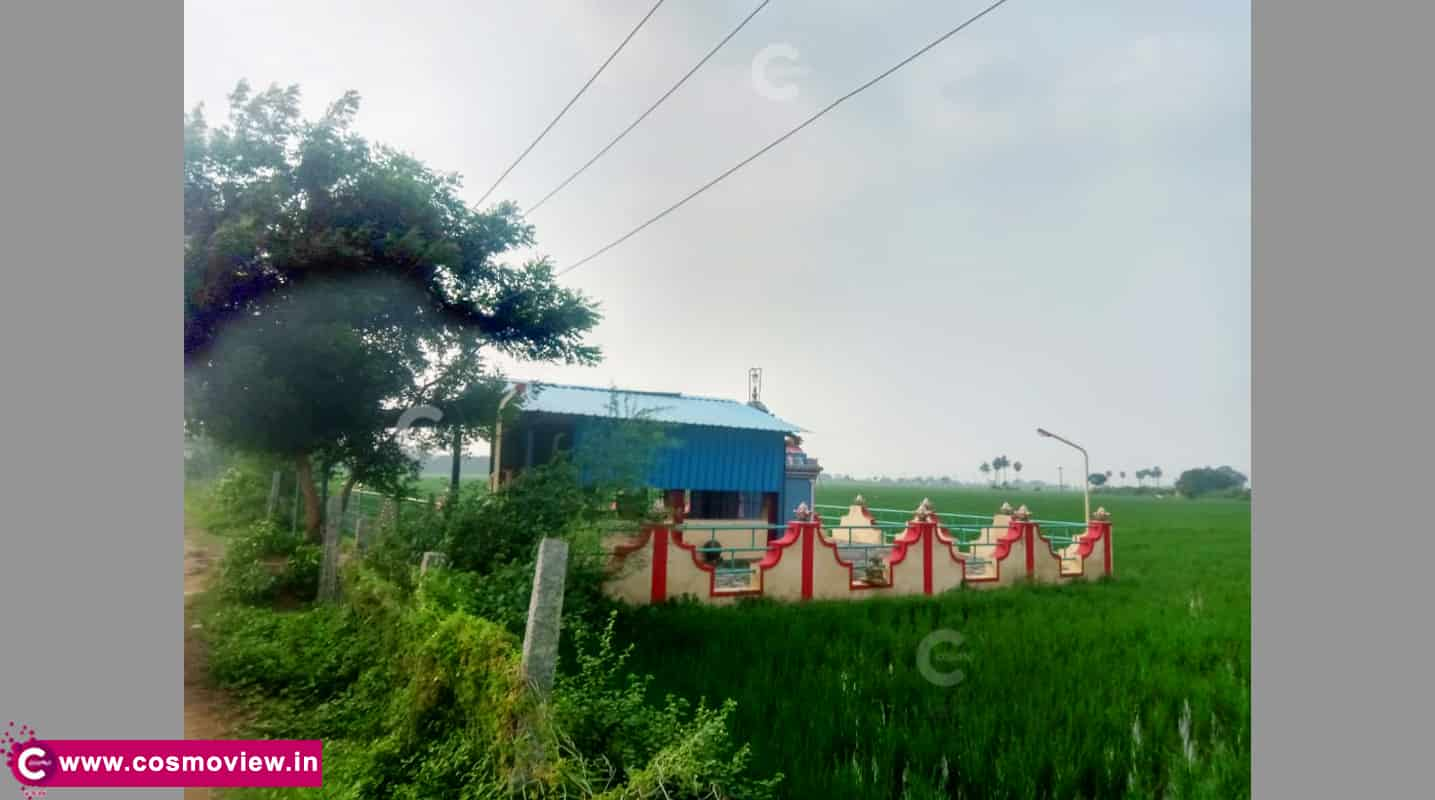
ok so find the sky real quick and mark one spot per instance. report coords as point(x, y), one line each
point(1043, 221)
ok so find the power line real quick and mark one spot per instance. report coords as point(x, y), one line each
point(779, 140)
point(651, 108)
point(604, 66)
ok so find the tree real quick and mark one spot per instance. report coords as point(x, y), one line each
point(468, 398)
point(1016, 465)
point(1205, 480)
point(1155, 474)
point(320, 271)
point(1141, 476)
point(373, 458)
point(999, 465)
point(1123, 476)
point(1096, 479)
point(986, 469)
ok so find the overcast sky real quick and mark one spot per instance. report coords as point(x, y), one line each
point(1045, 221)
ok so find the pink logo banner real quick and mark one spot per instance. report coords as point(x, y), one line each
point(183, 763)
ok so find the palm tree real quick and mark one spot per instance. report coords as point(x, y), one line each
point(1123, 476)
point(985, 468)
point(1155, 472)
point(1141, 475)
point(1016, 465)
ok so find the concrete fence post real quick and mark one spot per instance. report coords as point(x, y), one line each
point(545, 611)
point(329, 562)
point(432, 560)
point(540, 654)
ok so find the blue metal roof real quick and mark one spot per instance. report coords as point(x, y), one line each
point(591, 401)
point(712, 458)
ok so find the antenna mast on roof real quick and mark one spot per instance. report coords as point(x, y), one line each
point(754, 386)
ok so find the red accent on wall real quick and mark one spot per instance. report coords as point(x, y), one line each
point(927, 556)
point(807, 533)
point(676, 500)
point(852, 585)
point(1000, 551)
point(1085, 546)
point(1106, 546)
point(660, 565)
point(1029, 541)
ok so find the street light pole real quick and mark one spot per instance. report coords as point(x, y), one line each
point(1086, 467)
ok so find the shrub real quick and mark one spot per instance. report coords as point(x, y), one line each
point(268, 562)
point(418, 698)
point(402, 540)
point(237, 499)
point(613, 736)
point(491, 541)
point(483, 531)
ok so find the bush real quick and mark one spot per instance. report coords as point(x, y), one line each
point(417, 698)
point(491, 541)
point(268, 562)
point(639, 751)
point(483, 531)
point(401, 541)
point(239, 497)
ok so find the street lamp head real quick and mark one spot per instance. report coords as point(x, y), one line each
point(1043, 432)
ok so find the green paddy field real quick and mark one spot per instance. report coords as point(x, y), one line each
point(1137, 687)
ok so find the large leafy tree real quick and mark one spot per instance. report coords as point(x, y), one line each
point(1205, 480)
point(469, 396)
point(326, 277)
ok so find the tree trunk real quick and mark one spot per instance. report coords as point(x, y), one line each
point(325, 472)
point(313, 519)
point(345, 492)
point(457, 462)
point(329, 560)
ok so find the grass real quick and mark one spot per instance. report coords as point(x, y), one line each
point(437, 485)
point(1134, 688)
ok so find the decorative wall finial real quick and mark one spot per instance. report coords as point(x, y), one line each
point(1022, 513)
point(1005, 509)
point(802, 513)
point(1101, 514)
point(859, 500)
point(924, 511)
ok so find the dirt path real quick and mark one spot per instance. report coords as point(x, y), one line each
point(206, 713)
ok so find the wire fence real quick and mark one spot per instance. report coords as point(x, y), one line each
point(365, 514)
